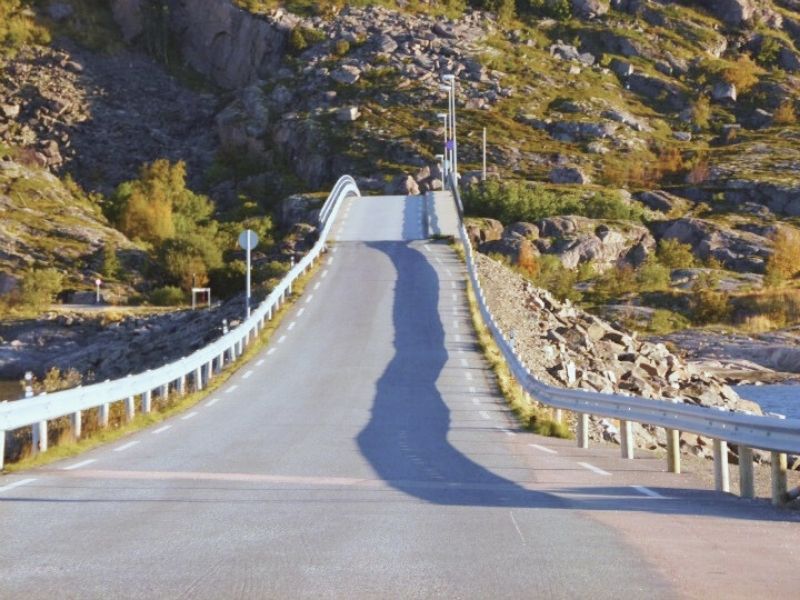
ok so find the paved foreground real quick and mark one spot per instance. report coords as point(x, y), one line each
point(366, 453)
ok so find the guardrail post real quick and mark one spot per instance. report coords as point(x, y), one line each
point(722, 478)
point(583, 430)
point(198, 378)
point(182, 385)
point(2, 448)
point(626, 439)
point(76, 424)
point(147, 401)
point(130, 408)
point(102, 416)
point(558, 415)
point(209, 371)
point(164, 393)
point(269, 314)
point(673, 451)
point(746, 487)
point(780, 464)
point(39, 438)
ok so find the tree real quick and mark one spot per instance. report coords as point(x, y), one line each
point(110, 261)
point(39, 288)
point(675, 255)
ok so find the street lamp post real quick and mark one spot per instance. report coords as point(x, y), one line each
point(451, 80)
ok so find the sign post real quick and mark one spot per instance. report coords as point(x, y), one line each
point(97, 283)
point(248, 240)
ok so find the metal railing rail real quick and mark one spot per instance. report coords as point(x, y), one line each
point(779, 436)
point(199, 366)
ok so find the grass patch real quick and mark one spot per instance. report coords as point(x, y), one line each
point(531, 414)
point(66, 447)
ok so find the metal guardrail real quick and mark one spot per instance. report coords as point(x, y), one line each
point(199, 365)
point(749, 431)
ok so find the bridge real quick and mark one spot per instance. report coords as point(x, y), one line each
point(366, 452)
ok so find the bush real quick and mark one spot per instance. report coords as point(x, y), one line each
point(557, 279)
point(167, 296)
point(39, 288)
point(18, 28)
point(342, 47)
point(111, 266)
point(785, 260)
point(784, 114)
point(675, 255)
point(708, 305)
point(652, 276)
point(743, 73)
point(665, 321)
point(615, 283)
point(701, 112)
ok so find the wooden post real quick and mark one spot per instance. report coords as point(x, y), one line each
point(746, 486)
point(626, 439)
point(780, 465)
point(673, 451)
point(722, 476)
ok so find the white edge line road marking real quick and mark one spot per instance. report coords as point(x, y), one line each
point(330, 261)
point(271, 351)
point(457, 337)
point(324, 274)
point(519, 531)
point(308, 300)
point(508, 432)
point(468, 375)
point(162, 429)
point(230, 389)
point(282, 339)
point(189, 416)
point(594, 469)
point(648, 492)
point(291, 325)
point(455, 296)
point(212, 402)
point(483, 414)
point(300, 312)
point(17, 484)
point(126, 446)
point(316, 286)
point(464, 362)
point(83, 463)
point(472, 389)
point(260, 362)
point(475, 401)
point(543, 448)
point(247, 375)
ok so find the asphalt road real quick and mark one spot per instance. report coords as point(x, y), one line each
point(366, 453)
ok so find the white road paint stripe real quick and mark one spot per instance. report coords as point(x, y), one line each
point(17, 484)
point(281, 339)
point(648, 492)
point(191, 415)
point(212, 402)
point(324, 274)
point(230, 389)
point(316, 286)
point(260, 362)
point(453, 285)
point(543, 448)
point(472, 389)
point(300, 312)
point(162, 429)
point(455, 324)
point(594, 469)
point(508, 432)
point(79, 465)
point(455, 296)
point(126, 446)
point(271, 351)
point(330, 261)
point(334, 249)
point(516, 526)
point(309, 299)
point(457, 338)
point(449, 272)
point(247, 375)
point(476, 402)
point(464, 362)
point(291, 326)
point(484, 414)
point(468, 375)
point(438, 260)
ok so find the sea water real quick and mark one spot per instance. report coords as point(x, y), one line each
point(778, 398)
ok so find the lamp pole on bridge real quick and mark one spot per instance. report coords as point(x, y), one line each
point(450, 80)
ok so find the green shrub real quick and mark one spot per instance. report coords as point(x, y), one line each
point(709, 305)
point(39, 288)
point(342, 47)
point(557, 279)
point(615, 283)
point(18, 28)
point(167, 296)
point(652, 276)
point(675, 255)
point(665, 321)
point(111, 265)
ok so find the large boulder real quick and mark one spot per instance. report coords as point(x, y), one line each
point(662, 201)
point(569, 175)
point(589, 9)
point(733, 12)
point(484, 230)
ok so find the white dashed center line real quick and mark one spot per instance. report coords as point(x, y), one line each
point(126, 446)
point(457, 338)
point(648, 492)
point(300, 312)
point(484, 414)
point(191, 415)
point(260, 362)
point(162, 429)
point(476, 402)
point(543, 448)
point(212, 402)
point(270, 351)
point(316, 286)
point(464, 362)
point(308, 300)
point(247, 375)
point(291, 326)
point(594, 469)
point(230, 389)
point(324, 274)
point(508, 432)
point(16, 484)
point(282, 339)
point(468, 375)
point(79, 465)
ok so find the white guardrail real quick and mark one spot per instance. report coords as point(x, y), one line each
point(779, 436)
point(199, 366)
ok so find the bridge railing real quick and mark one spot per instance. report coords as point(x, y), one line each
point(778, 436)
point(198, 368)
